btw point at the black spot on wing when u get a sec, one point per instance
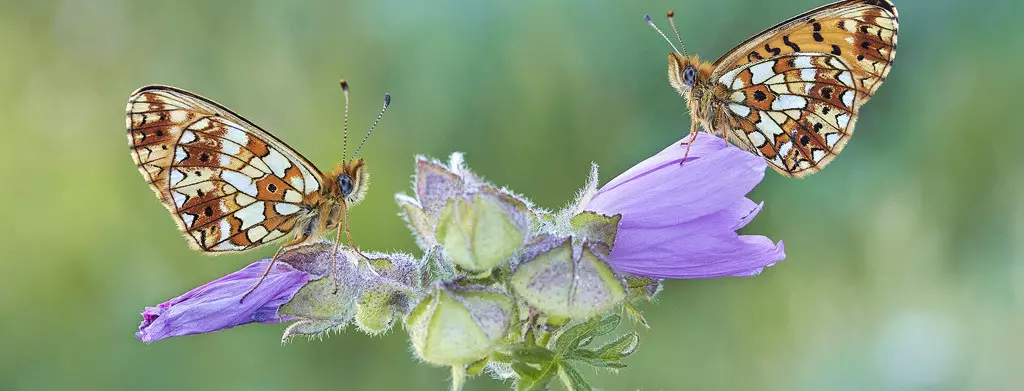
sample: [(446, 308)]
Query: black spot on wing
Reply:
[(795, 47)]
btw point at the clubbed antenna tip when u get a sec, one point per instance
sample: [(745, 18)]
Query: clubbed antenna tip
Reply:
[(344, 85), (387, 100)]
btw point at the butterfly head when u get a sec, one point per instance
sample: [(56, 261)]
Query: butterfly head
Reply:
[(686, 73), (353, 180), (682, 73)]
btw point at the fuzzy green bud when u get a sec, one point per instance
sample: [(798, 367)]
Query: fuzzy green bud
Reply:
[(478, 233), (560, 283), (458, 327)]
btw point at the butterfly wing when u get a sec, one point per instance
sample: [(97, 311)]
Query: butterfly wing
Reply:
[(795, 89), (229, 185)]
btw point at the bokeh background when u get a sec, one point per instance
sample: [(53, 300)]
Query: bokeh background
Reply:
[(906, 256)]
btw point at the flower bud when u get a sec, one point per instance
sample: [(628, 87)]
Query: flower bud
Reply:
[(479, 232), (457, 327), (560, 283)]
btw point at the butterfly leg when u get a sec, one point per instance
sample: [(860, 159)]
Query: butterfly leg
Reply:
[(693, 136), (337, 243), (298, 239)]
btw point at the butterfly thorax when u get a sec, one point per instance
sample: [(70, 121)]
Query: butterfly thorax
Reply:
[(692, 79)]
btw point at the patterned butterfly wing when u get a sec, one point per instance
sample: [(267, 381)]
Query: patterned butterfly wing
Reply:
[(229, 185), (796, 88)]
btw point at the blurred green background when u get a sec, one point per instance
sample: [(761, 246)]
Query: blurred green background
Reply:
[(906, 256)]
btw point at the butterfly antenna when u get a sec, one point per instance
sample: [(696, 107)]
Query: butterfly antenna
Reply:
[(647, 17), (344, 148), (387, 102), (671, 22)]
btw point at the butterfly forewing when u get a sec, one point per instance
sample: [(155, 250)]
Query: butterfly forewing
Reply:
[(794, 90), (229, 185)]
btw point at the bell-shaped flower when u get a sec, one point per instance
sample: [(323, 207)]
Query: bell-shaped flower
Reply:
[(680, 220)]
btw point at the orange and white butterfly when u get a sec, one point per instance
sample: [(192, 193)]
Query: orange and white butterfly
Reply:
[(231, 186), (791, 94)]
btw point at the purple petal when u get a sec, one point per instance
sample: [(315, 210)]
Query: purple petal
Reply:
[(214, 306), (679, 221)]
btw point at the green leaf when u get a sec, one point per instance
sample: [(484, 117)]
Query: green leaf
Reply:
[(581, 334), (592, 358), (536, 380), (619, 348), (533, 354), (477, 367), (635, 314), (572, 379)]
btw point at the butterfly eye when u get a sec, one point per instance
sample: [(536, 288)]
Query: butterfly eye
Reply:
[(689, 76), (345, 182)]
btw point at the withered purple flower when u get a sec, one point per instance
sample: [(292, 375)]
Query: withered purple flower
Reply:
[(215, 305), (680, 220)]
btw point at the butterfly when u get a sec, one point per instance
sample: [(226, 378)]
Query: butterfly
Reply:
[(231, 186), (791, 94)]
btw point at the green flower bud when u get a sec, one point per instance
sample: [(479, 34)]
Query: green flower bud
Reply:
[(560, 283), (480, 232), (458, 327)]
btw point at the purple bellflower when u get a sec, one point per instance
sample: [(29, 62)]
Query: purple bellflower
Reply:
[(680, 220), (215, 305)]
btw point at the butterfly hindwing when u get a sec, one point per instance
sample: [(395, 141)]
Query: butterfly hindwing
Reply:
[(229, 185), (796, 110)]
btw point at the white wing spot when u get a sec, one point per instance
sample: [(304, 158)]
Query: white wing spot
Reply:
[(831, 139), (802, 62), (292, 196), (285, 209), (236, 135), (761, 72), (243, 199), (848, 98), (312, 184), (739, 109), (251, 215), (256, 233), (241, 182), (296, 182), (179, 116), (817, 155), (769, 127), (179, 154), (225, 160), (785, 147), (188, 219), (843, 120), (176, 176), (787, 102), (179, 199), (273, 235), (757, 139), (728, 77), (808, 74), (187, 137), (230, 148), (846, 78), (277, 162)]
